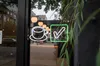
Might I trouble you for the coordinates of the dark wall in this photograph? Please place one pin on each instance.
(90, 36)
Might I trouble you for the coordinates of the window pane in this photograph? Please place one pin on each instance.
(45, 51)
(8, 35)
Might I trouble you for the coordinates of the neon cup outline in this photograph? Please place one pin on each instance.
(44, 33)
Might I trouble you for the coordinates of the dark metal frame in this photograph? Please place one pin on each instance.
(23, 31)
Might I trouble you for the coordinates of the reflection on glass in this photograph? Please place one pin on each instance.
(43, 52)
(8, 34)
(59, 45)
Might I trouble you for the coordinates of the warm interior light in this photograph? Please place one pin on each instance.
(44, 26)
(34, 19)
(47, 28)
(40, 23)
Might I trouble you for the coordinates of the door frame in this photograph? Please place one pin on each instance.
(23, 31)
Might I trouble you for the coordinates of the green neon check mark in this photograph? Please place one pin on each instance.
(59, 33)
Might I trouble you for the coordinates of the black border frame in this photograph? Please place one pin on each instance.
(23, 31)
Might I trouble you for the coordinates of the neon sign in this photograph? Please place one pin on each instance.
(58, 34)
(39, 33)
(37, 30)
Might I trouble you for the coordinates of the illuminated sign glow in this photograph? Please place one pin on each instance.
(57, 35)
(42, 32)
(39, 33)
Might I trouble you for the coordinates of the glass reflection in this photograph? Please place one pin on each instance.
(8, 26)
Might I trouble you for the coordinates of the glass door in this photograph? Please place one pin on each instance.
(48, 34)
(8, 33)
